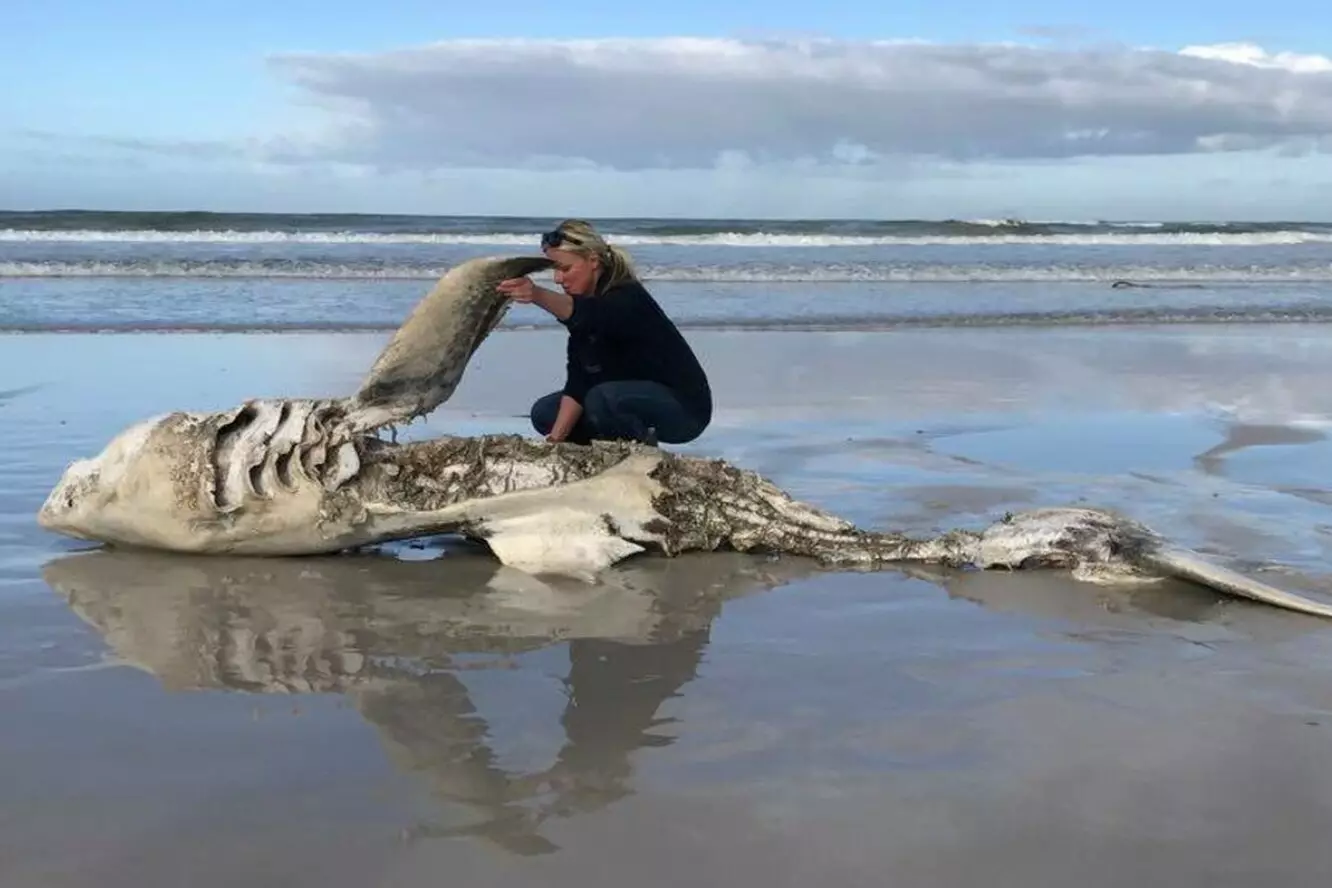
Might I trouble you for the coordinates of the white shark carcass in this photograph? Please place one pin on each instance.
(286, 476)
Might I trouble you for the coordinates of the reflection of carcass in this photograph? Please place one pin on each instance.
(389, 633)
(1166, 609)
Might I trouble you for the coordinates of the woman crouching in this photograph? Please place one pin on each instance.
(630, 374)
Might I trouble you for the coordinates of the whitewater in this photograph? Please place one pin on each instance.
(73, 270)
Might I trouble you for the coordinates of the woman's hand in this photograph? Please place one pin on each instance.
(523, 290)
(518, 289)
(567, 417)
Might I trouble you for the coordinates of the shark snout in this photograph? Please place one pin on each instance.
(61, 509)
(59, 503)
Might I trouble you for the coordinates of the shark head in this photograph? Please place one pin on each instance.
(201, 481)
(90, 493)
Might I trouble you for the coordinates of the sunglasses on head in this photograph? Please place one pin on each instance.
(552, 239)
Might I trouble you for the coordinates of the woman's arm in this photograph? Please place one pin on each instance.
(575, 389)
(557, 302)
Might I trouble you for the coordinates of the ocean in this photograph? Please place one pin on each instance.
(126, 271)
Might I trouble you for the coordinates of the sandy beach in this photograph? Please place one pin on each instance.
(433, 718)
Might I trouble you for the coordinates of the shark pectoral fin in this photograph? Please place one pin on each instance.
(568, 542)
(1186, 565)
(575, 529)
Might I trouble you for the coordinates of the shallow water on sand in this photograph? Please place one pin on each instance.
(379, 721)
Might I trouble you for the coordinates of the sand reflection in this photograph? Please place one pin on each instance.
(398, 638)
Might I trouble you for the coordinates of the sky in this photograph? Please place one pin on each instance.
(1025, 109)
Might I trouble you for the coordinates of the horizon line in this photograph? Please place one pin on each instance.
(1016, 219)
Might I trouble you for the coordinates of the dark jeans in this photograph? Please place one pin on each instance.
(634, 410)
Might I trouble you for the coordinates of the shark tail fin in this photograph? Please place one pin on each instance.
(1186, 565)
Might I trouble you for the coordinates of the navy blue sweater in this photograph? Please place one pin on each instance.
(622, 334)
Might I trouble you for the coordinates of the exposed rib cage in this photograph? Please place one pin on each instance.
(270, 447)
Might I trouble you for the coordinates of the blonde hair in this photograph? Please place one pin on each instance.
(578, 236)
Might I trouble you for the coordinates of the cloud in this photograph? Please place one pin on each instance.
(684, 103)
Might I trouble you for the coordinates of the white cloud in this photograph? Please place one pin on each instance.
(687, 103)
(1248, 54)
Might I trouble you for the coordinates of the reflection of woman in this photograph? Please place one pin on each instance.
(630, 373)
(615, 690)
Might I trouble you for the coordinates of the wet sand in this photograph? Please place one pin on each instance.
(433, 717)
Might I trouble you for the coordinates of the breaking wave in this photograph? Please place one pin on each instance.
(767, 272)
(1144, 237)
